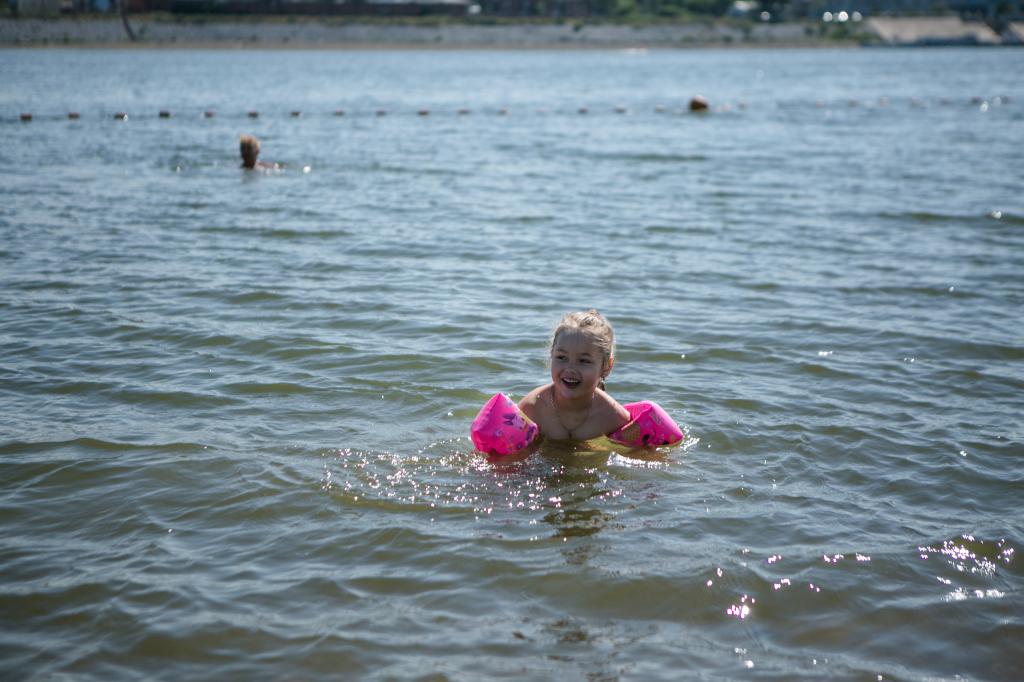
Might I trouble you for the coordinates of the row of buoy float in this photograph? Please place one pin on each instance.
(697, 104)
(919, 103)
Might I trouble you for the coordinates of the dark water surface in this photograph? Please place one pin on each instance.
(235, 406)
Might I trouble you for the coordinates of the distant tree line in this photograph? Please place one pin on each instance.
(494, 8)
(607, 8)
(993, 11)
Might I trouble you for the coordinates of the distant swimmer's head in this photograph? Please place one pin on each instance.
(249, 147)
(588, 335)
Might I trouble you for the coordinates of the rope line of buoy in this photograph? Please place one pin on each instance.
(696, 105)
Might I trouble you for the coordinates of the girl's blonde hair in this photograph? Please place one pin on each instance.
(594, 325)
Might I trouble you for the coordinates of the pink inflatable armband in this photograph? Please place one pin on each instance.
(649, 427)
(501, 428)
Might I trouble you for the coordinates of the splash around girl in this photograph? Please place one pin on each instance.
(574, 405)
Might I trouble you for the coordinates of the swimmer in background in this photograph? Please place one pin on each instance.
(574, 406)
(249, 146)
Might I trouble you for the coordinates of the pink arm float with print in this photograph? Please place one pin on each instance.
(501, 428)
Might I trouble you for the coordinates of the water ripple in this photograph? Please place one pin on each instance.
(235, 405)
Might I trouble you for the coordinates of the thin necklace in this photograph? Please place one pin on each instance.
(558, 413)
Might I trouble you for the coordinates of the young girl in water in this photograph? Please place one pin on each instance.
(574, 405)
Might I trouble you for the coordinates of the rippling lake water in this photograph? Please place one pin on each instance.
(235, 405)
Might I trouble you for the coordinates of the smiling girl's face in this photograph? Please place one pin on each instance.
(577, 365)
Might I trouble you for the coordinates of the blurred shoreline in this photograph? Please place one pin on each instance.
(164, 31)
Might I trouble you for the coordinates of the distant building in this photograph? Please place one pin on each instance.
(741, 9)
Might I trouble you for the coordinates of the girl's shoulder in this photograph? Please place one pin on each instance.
(531, 399)
(610, 409)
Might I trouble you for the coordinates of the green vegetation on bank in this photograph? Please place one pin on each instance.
(637, 18)
(484, 12)
(736, 30)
